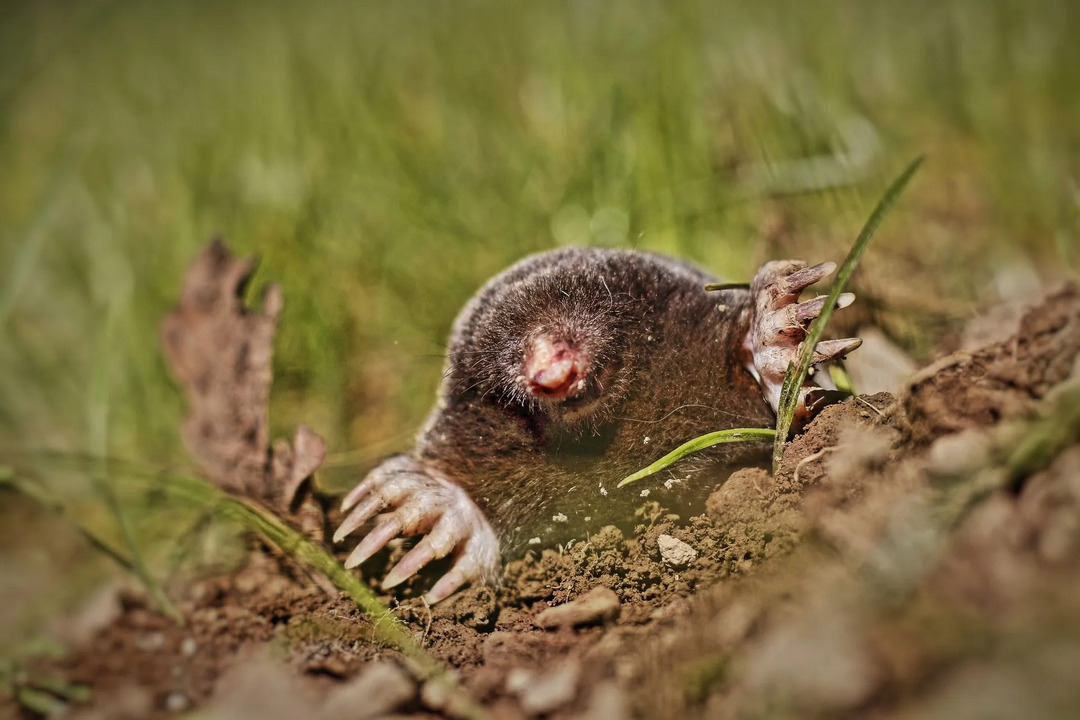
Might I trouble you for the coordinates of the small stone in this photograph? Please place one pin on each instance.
(246, 583)
(378, 690)
(607, 702)
(599, 605)
(677, 608)
(177, 702)
(960, 454)
(92, 616)
(540, 694)
(675, 552)
(332, 665)
(188, 646)
(434, 695)
(150, 642)
(443, 696)
(1059, 537)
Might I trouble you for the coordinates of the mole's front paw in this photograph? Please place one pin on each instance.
(414, 499)
(780, 323)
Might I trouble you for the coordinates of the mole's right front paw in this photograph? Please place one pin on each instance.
(414, 499)
(780, 323)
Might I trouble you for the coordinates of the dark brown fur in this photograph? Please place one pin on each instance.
(667, 366)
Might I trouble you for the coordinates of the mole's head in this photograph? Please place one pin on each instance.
(556, 342)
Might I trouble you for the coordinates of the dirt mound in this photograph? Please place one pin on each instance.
(914, 556)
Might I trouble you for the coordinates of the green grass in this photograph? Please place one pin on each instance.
(384, 159)
(795, 377)
(700, 443)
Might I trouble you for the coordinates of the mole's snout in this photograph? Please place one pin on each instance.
(554, 369)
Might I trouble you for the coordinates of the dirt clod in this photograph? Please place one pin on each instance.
(675, 552)
(596, 606)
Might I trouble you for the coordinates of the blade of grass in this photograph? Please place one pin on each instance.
(98, 421)
(301, 548)
(40, 702)
(796, 374)
(713, 287)
(840, 377)
(33, 238)
(250, 516)
(36, 490)
(699, 443)
(63, 689)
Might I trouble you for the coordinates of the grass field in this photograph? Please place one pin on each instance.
(383, 159)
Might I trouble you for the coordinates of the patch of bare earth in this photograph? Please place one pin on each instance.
(916, 556)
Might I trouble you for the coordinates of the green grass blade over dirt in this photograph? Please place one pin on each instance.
(37, 491)
(699, 443)
(98, 422)
(796, 374)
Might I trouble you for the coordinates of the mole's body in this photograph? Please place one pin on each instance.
(567, 372)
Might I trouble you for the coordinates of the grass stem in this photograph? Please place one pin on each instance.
(796, 374)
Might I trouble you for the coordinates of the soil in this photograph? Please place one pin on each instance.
(915, 556)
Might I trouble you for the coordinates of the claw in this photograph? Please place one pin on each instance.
(357, 494)
(805, 277)
(450, 582)
(359, 516)
(423, 502)
(827, 350)
(409, 565)
(804, 312)
(373, 542)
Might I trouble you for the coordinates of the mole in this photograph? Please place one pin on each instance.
(565, 373)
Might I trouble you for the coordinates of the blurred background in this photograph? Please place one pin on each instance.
(384, 159)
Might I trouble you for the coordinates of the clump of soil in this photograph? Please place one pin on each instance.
(915, 555)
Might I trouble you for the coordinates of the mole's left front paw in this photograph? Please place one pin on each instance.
(779, 326)
(414, 499)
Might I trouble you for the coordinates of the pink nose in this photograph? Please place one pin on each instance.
(552, 367)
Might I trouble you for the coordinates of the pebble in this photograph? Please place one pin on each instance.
(188, 646)
(442, 696)
(540, 694)
(599, 605)
(608, 702)
(177, 702)
(380, 689)
(675, 552)
(150, 641)
(960, 454)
